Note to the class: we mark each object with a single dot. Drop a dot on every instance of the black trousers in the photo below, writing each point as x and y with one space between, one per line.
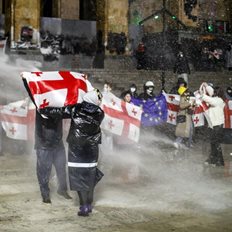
216 135
45 160
86 197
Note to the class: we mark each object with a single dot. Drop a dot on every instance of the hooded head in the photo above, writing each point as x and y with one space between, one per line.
181 82
94 97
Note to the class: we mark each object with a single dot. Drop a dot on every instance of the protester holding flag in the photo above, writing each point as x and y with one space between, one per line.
53 89
184 127
107 138
180 82
122 141
107 87
126 96
133 90
154 114
215 118
148 91
227 130
50 151
83 139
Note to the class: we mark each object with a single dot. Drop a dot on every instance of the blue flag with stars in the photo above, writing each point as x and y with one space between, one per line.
154 110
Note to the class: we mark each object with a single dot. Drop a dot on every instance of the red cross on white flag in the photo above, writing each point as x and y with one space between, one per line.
228 113
18 121
198 116
121 118
173 102
56 88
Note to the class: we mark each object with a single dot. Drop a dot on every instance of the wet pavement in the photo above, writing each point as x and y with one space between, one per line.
156 188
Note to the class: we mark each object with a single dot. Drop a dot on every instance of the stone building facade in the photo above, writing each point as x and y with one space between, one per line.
111 15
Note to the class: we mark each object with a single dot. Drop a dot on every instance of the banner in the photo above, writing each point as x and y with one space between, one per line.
154 110
121 118
17 120
228 113
56 88
173 102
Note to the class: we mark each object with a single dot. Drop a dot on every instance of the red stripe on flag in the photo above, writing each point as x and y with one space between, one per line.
173 107
13 118
122 115
30 124
69 81
227 113
28 120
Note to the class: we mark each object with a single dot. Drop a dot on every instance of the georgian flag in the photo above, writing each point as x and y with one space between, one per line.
121 118
56 88
198 116
17 120
173 102
228 114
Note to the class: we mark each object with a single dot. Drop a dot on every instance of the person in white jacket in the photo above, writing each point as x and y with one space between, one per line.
215 118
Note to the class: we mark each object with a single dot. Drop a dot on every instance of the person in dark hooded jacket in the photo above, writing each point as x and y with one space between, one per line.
83 139
50 150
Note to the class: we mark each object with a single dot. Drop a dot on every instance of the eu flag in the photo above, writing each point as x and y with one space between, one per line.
154 110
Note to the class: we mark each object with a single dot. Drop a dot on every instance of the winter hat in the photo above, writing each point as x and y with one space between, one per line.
149 84
180 80
93 97
181 90
209 90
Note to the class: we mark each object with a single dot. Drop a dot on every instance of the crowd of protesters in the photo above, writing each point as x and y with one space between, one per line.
183 136
202 55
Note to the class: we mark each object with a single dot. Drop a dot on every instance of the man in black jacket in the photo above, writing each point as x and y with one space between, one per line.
50 151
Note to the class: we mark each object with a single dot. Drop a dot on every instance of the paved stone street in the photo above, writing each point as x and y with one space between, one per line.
156 189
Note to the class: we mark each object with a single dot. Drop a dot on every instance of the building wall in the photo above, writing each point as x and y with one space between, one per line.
113 15
23 13
69 9
117 16
140 9
206 9
0 6
101 16
183 17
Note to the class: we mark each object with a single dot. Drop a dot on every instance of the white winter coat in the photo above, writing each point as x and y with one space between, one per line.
215 113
